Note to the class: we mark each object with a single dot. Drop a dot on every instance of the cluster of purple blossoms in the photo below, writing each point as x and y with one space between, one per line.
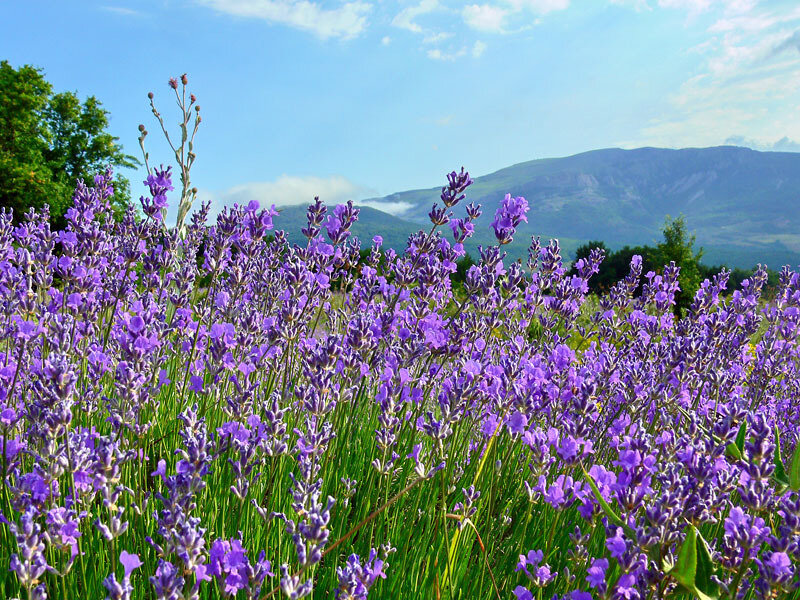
509 215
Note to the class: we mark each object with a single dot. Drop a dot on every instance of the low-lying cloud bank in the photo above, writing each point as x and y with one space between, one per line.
397 209
292 190
288 190
784 144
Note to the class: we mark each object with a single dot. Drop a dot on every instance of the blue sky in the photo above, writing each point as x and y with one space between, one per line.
361 98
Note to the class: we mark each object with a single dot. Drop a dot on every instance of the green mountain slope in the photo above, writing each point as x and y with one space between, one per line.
370 222
743 205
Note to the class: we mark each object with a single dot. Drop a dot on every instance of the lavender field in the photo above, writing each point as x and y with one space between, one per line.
214 412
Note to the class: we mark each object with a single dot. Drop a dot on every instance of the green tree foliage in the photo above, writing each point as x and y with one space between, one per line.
462 266
737 276
50 141
678 247
616 265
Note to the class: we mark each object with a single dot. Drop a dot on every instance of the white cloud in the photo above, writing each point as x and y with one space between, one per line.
540 7
699 6
748 22
288 190
484 17
435 38
122 11
637 5
437 54
406 18
784 144
491 18
478 49
345 22
791 43
396 208
749 79
386 40
693 6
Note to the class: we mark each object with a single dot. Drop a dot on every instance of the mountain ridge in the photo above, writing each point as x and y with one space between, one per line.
743 205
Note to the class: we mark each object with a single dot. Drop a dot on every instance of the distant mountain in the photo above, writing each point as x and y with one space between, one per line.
370 223
743 205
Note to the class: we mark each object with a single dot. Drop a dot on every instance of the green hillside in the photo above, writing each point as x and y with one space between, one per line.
370 222
743 205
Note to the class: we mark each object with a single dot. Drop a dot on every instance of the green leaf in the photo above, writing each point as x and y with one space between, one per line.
693 569
780 470
736 449
794 469
686 567
705 569
741 436
613 517
614 573
731 451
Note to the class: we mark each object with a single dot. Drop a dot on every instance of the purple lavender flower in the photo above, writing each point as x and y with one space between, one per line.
596 575
521 593
228 562
122 590
531 564
509 215
356 579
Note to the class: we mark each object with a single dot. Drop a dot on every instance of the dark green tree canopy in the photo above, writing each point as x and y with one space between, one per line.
615 265
49 141
678 246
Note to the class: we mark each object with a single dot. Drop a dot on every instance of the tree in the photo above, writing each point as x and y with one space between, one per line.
583 252
50 141
615 265
463 265
678 246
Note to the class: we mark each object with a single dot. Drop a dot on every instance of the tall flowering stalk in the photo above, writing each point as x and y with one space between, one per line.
183 151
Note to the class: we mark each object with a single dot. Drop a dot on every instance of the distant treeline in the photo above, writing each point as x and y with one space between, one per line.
616 265
677 245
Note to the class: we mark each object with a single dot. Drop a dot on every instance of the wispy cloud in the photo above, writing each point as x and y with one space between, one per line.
437 38
438 54
790 43
540 7
637 5
748 79
288 190
785 144
692 7
478 49
122 11
345 22
485 17
492 18
407 18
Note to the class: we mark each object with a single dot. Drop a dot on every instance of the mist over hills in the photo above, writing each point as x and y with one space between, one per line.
743 205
